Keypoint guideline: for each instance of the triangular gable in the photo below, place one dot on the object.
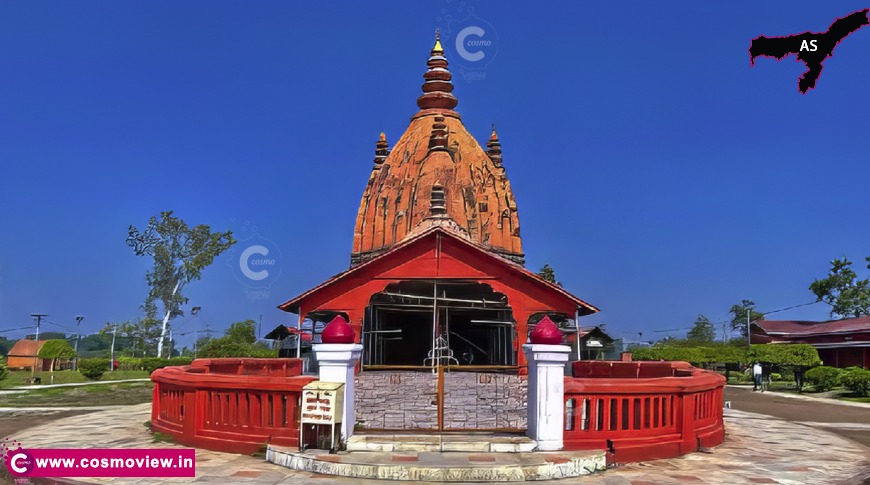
(416, 256)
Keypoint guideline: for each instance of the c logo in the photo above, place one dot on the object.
(17, 467)
(243, 263)
(460, 43)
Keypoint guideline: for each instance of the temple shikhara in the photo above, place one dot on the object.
(436, 275)
(439, 334)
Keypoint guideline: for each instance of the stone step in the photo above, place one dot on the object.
(467, 443)
(442, 466)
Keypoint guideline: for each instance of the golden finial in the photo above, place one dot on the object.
(494, 135)
(437, 47)
(383, 136)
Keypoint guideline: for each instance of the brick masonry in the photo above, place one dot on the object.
(408, 400)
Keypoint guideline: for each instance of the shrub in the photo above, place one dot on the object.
(151, 364)
(786, 354)
(227, 347)
(129, 363)
(823, 378)
(4, 370)
(857, 381)
(93, 369)
(775, 377)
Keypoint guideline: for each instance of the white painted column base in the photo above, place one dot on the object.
(337, 363)
(546, 394)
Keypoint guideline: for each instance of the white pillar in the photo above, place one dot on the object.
(337, 363)
(546, 394)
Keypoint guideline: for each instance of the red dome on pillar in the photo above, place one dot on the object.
(546, 332)
(338, 331)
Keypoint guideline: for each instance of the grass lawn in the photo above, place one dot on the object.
(107, 394)
(16, 378)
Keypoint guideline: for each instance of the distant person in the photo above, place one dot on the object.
(757, 374)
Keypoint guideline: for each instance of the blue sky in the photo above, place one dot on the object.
(659, 173)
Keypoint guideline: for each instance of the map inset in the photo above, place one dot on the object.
(811, 48)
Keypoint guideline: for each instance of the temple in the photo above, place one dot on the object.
(438, 339)
(437, 275)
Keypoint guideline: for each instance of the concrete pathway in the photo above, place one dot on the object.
(805, 397)
(758, 449)
(76, 384)
(844, 419)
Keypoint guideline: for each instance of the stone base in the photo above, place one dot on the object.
(482, 443)
(442, 467)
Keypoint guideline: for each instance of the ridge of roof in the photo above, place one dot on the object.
(287, 306)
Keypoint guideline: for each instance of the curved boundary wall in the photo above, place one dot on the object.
(232, 405)
(642, 410)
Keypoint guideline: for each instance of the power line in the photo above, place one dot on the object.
(729, 321)
(19, 328)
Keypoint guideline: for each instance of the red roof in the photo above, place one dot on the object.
(26, 348)
(805, 328)
(293, 305)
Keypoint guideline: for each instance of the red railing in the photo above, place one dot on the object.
(230, 405)
(642, 410)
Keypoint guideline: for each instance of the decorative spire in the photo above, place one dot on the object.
(493, 148)
(437, 90)
(438, 138)
(381, 150)
(436, 202)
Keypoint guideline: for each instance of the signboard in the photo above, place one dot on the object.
(322, 403)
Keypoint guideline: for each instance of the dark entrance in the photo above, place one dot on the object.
(431, 323)
(441, 356)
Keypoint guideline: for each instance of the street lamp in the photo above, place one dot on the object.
(38, 317)
(194, 311)
(79, 319)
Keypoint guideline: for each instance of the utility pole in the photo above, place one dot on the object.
(112, 355)
(724, 337)
(748, 334)
(170, 343)
(194, 311)
(38, 317)
(79, 319)
(260, 330)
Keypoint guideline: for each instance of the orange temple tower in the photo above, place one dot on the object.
(436, 148)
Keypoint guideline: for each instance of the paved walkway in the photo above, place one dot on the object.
(758, 449)
(838, 417)
(76, 384)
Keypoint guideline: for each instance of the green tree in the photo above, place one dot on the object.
(703, 332)
(548, 274)
(140, 337)
(93, 342)
(56, 349)
(843, 291)
(5, 345)
(52, 336)
(180, 254)
(4, 370)
(740, 311)
(243, 331)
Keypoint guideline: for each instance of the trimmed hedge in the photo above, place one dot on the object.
(856, 380)
(150, 364)
(823, 378)
(780, 354)
(93, 369)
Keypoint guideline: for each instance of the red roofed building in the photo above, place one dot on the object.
(437, 292)
(840, 343)
(23, 355)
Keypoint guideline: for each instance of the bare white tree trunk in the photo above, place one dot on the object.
(165, 322)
